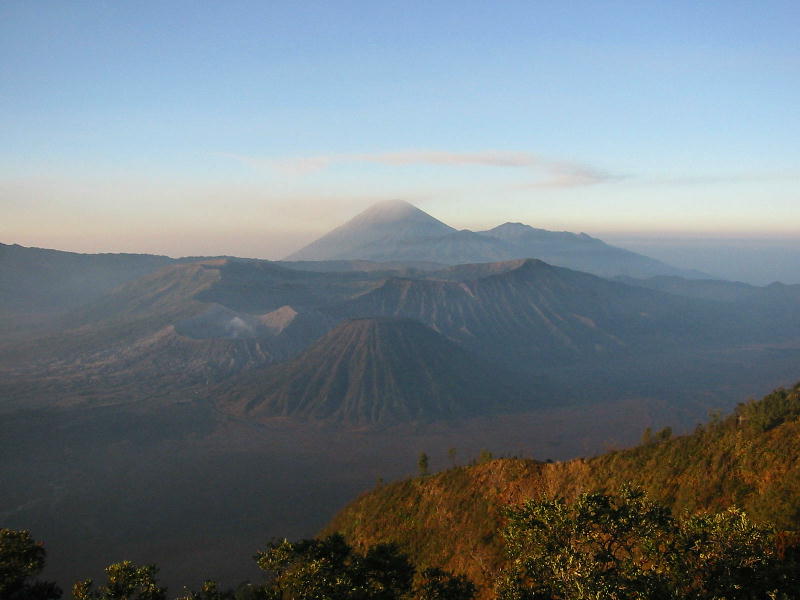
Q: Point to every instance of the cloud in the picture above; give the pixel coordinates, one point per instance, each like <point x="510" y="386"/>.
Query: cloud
<point x="547" y="172"/>
<point x="565" y="175"/>
<point x="721" y="178"/>
<point x="553" y="173"/>
<point x="432" y="157"/>
<point x="306" y="164"/>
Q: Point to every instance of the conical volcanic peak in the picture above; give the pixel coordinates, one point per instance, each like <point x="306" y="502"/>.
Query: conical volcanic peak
<point x="387" y="224"/>
<point x="380" y="370"/>
<point x="396" y="231"/>
<point x="391" y="211"/>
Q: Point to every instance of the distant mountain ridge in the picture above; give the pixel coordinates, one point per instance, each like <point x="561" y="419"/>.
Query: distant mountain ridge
<point x="42" y="280"/>
<point x="397" y="231"/>
<point x="207" y="322"/>
<point x="527" y="312"/>
<point x="189" y="326"/>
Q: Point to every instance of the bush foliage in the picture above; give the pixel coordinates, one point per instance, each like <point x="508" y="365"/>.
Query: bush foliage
<point x="626" y="547"/>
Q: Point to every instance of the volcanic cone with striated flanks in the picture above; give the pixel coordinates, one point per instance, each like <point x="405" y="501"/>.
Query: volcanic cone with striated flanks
<point x="381" y="370"/>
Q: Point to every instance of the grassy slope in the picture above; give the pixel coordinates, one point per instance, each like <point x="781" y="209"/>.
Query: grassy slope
<point x="452" y="518"/>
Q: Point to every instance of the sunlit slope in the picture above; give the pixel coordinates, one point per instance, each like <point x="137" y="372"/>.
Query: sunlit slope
<point x="749" y="459"/>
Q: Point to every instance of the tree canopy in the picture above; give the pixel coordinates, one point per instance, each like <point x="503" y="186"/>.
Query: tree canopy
<point x="626" y="547"/>
<point x="125" y="581"/>
<point x="21" y="560"/>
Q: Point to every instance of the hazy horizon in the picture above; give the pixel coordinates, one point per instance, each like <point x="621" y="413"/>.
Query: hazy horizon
<point x="754" y="257"/>
<point x="251" y="129"/>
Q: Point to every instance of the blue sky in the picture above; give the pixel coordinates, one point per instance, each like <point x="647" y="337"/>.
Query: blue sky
<point x="247" y="128"/>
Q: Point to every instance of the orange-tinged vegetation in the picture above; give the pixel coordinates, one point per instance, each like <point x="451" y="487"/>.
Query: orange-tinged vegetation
<point x="452" y="519"/>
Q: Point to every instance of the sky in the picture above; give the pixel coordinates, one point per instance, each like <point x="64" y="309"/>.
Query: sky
<point x="250" y="128"/>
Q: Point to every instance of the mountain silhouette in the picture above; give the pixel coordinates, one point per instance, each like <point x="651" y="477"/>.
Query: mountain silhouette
<point x="397" y="231"/>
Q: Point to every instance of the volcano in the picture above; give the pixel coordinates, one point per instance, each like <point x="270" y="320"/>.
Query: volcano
<point x="381" y="371"/>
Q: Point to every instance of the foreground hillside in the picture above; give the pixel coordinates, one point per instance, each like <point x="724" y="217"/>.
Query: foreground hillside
<point x="452" y="518"/>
